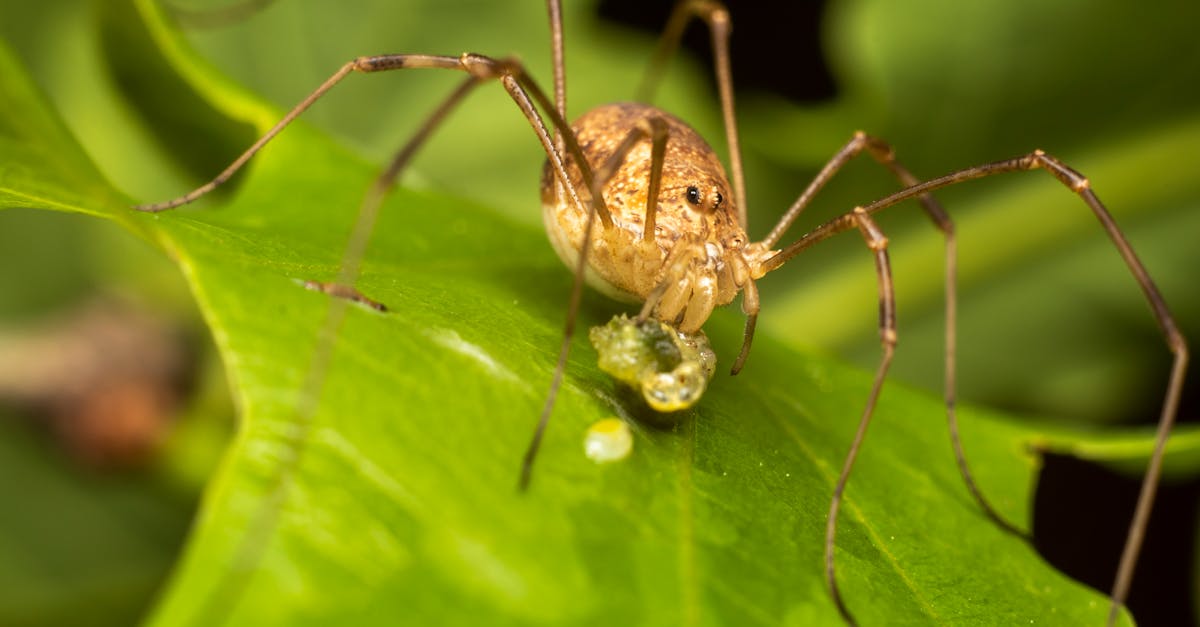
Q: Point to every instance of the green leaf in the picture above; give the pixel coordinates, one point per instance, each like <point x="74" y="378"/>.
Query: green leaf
<point x="43" y="164"/>
<point x="952" y="84"/>
<point x="79" y="549"/>
<point x="373" y="478"/>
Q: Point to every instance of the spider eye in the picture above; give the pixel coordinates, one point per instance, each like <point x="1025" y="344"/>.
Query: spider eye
<point x="720" y="199"/>
<point x="693" y="195"/>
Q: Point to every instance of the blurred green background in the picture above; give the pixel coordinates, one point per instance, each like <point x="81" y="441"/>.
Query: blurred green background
<point x="1051" y="323"/>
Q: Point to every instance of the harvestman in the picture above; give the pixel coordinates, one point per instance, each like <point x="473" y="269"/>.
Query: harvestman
<point x="672" y="233"/>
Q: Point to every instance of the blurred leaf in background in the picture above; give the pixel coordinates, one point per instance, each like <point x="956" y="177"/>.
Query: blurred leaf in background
<point x="1109" y="88"/>
<point x="103" y="459"/>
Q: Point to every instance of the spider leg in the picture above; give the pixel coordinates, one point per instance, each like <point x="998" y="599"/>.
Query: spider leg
<point x="883" y="154"/>
<point x="554" y="11"/>
<point x="368" y="211"/>
<point x="528" y="97"/>
<point x="716" y="17"/>
<point x="750" y="307"/>
<point x="521" y="88"/>
<point x="887" y="333"/>
<point x="1174" y="339"/>
<point x="656" y="131"/>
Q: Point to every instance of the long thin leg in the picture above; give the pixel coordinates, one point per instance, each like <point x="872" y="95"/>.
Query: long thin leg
<point x="558" y="56"/>
<point x="675" y="265"/>
<point x="479" y="66"/>
<point x="656" y="131"/>
<point x="564" y="351"/>
<point x="368" y="213"/>
<point x="887" y="334"/>
<point x="1175" y="341"/>
<point x="554" y="11"/>
<point x="750" y="307"/>
<point x="882" y="153"/>
<point x="361" y="64"/>
<point x="527" y="96"/>
<point x="716" y="17"/>
<point x="387" y="180"/>
<point x="668" y="43"/>
<point x="519" y="86"/>
<point x="251" y="545"/>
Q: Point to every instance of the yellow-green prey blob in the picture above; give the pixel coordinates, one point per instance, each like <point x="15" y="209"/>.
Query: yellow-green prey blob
<point x="608" y="440"/>
<point x="670" y="368"/>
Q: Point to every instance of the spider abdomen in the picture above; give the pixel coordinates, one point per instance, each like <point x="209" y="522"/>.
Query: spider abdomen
<point x="697" y="246"/>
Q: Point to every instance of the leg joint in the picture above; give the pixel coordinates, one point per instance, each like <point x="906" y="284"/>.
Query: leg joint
<point x="485" y="67"/>
<point x="1061" y="171"/>
<point x="879" y="149"/>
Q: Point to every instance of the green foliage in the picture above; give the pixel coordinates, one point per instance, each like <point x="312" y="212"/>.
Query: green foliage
<point x="1051" y="321"/>
<point x="373" y="476"/>
<point x="79" y="550"/>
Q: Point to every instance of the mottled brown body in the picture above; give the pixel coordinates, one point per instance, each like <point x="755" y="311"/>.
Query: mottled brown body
<point x="699" y="256"/>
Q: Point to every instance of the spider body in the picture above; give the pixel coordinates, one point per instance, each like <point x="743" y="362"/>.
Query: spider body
<point x="697" y="251"/>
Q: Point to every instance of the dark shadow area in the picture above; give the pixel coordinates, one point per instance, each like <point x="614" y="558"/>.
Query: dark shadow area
<point x="760" y="31"/>
<point x="1081" y="515"/>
